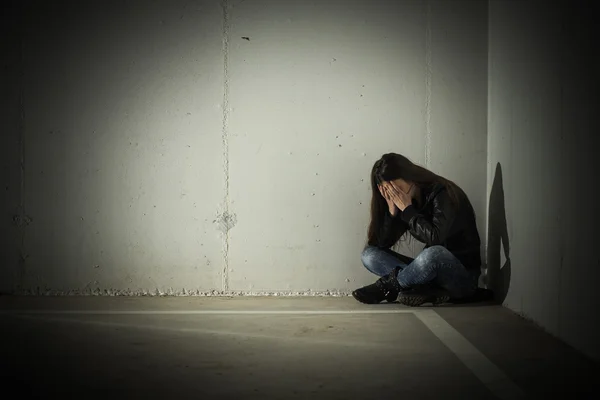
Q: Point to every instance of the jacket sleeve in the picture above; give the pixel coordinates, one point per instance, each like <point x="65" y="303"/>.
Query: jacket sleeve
<point x="392" y="228"/>
<point x="432" y="230"/>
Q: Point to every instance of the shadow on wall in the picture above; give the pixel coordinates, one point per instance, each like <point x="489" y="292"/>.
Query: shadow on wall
<point x="497" y="277"/>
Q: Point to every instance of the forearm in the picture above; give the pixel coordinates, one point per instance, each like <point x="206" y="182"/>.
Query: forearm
<point x="431" y="231"/>
<point x="393" y="227"/>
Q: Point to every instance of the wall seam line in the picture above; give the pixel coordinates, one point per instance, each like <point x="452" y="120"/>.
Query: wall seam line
<point x="428" y="75"/>
<point x="225" y="142"/>
<point x="561" y="210"/>
<point x="488" y="163"/>
<point x="22" y="222"/>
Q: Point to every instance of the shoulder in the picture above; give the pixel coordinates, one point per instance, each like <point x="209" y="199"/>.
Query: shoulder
<point x="441" y="198"/>
<point x="436" y="190"/>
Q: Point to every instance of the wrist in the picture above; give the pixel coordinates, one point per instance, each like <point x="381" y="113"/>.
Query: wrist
<point x="409" y="213"/>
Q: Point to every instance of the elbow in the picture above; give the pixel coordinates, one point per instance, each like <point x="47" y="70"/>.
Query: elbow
<point x="433" y="242"/>
<point x="382" y="245"/>
<point x="436" y="239"/>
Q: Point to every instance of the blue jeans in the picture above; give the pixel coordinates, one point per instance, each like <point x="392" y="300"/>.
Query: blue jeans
<point x="434" y="264"/>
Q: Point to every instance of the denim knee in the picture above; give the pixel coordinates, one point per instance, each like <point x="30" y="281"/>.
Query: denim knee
<point x="435" y="252"/>
<point x="369" y="257"/>
<point x="429" y="256"/>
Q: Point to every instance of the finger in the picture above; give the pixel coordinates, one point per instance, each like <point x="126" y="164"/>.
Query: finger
<point x="391" y="189"/>
<point x="386" y="194"/>
<point x="391" y="195"/>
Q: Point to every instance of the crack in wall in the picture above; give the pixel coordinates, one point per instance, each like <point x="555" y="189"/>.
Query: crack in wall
<point x="225" y="216"/>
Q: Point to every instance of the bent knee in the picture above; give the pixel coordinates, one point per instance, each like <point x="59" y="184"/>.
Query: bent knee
<point x="369" y="256"/>
<point x="435" y="250"/>
<point x="435" y="253"/>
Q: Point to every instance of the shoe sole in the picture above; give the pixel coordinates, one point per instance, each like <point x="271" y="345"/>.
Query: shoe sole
<point x="366" y="300"/>
<point x="416" y="300"/>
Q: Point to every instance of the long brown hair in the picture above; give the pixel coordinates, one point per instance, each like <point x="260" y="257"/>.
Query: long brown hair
<point x="393" y="166"/>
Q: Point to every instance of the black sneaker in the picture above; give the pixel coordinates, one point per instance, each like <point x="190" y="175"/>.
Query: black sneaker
<point x="422" y="294"/>
<point x="385" y="288"/>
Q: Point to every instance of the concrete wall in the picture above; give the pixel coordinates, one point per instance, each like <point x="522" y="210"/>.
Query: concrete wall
<point x="190" y="146"/>
<point x="10" y="146"/>
<point x="542" y="167"/>
<point x="123" y="135"/>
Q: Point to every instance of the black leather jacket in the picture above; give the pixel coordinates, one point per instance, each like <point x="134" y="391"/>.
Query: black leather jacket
<point x="437" y="222"/>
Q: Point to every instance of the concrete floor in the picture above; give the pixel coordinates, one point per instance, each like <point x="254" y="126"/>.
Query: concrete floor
<point x="284" y="348"/>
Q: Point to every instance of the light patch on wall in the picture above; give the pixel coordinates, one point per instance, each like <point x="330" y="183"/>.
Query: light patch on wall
<point x="225" y="222"/>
